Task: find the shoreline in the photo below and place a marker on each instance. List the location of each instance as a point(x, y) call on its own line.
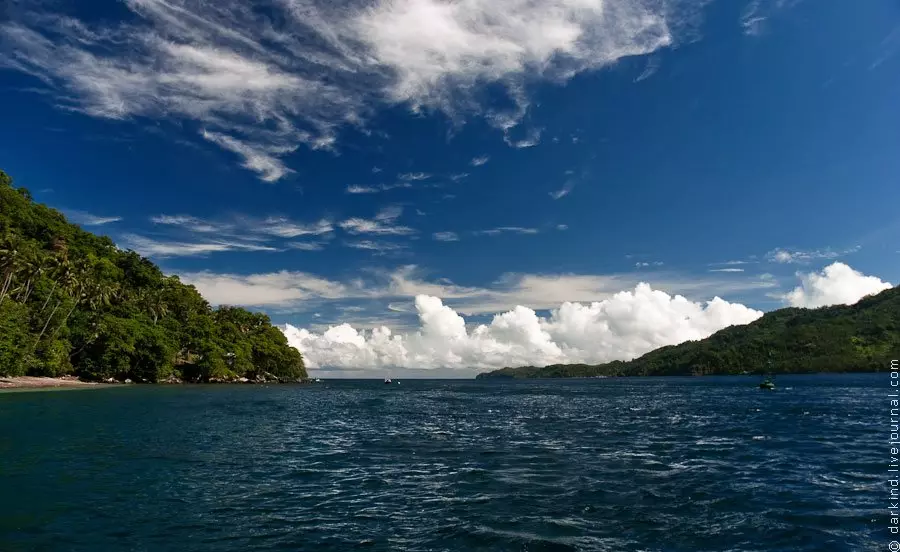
point(34, 383)
point(19, 383)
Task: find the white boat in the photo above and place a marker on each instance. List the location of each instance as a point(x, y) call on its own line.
point(387, 380)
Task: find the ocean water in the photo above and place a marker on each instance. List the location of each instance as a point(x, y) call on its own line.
point(655, 464)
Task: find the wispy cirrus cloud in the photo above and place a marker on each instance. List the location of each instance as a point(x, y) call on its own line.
point(357, 189)
point(377, 247)
point(259, 80)
point(245, 226)
point(414, 176)
point(383, 224)
point(169, 248)
point(480, 160)
point(800, 256)
point(445, 236)
point(87, 219)
point(537, 291)
point(505, 230)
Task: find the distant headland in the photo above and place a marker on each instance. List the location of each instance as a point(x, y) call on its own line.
point(863, 337)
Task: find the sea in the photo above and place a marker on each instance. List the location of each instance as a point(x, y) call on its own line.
point(615, 464)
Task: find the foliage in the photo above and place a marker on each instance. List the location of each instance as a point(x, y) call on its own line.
point(73, 303)
point(863, 337)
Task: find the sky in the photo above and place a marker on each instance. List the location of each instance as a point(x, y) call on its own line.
point(435, 188)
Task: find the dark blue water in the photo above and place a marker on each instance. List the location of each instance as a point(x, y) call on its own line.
point(680, 464)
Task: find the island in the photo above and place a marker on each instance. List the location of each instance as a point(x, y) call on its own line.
point(863, 337)
point(73, 306)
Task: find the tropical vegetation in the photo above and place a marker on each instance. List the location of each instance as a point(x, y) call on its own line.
point(863, 337)
point(72, 303)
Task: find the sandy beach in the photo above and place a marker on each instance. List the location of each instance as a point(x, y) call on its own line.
point(28, 382)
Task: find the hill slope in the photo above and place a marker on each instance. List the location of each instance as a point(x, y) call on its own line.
point(72, 303)
point(857, 338)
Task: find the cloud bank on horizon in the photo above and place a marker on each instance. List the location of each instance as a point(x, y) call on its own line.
point(622, 327)
point(260, 80)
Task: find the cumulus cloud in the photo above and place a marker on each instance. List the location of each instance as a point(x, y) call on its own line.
point(836, 284)
point(624, 326)
point(260, 79)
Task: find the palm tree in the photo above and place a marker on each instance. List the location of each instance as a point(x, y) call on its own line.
point(58, 269)
point(33, 265)
point(10, 264)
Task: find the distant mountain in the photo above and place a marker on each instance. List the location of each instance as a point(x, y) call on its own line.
point(857, 338)
point(71, 302)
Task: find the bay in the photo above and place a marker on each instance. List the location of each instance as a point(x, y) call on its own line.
point(653, 464)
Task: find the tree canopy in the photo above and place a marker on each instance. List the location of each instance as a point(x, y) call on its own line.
point(71, 302)
point(863, 337)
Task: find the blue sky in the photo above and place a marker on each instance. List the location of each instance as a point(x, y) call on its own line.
point(329, 163)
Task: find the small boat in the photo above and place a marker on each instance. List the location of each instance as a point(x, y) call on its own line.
point(387, 380)
point(318, 380)
point(769, 382)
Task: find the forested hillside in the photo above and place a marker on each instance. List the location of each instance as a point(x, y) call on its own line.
point(857, 338)
point(71, 302)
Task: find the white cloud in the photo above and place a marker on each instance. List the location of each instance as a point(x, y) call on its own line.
point(246, 227)
point(445, 236)
point(256, 158)
point(305, 246)
point(787, 256)
point(87, 219)
point(480, 160)
point(642, 264)
point(506, 230)
point(277, 288)
point(751, 20)
point(190, 223)
point(262, 81)
point(726, 270)
point(283, 227)
point(414, 176)
point(836, 284)
point(380, 248)
point(562, 226)
point(564, 191)
point(356, 189)
point(156, 248)
point(382, 224)
point(536, 291)
point(624, 326)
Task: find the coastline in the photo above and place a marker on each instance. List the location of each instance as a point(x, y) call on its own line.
point(20, 383)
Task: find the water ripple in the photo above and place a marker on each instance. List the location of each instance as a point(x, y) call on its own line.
point(682, 464)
